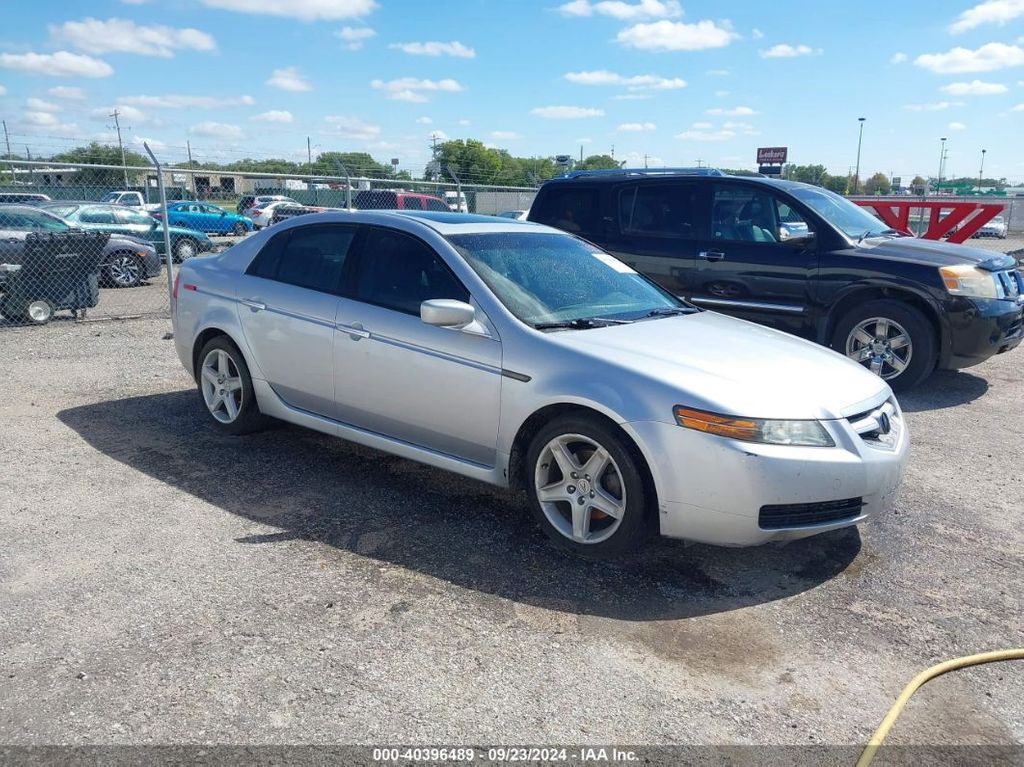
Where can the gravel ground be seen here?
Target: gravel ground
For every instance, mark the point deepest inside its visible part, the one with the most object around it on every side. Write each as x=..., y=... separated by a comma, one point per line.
x=163, y=583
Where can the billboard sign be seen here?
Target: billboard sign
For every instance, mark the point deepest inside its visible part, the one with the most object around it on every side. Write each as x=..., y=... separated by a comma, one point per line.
x=772, y=155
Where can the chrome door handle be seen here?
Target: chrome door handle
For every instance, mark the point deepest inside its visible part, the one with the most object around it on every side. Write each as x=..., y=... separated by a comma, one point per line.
x=252, y=303
x=355, y=330
x=711, y=255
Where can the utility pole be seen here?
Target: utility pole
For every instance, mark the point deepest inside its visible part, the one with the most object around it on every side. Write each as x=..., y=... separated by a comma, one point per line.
x=31, y=168
x=613, y=151
x=942, y=160
x=981, y=170
x=860, y=140
x=7, y=139
x=124, y=162
x=581, y=154
x=309, y=157
x=645, y=160
x=700, y=162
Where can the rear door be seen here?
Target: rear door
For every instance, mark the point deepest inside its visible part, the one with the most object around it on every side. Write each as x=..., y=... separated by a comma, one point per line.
x=287, y=302
x=754, y=264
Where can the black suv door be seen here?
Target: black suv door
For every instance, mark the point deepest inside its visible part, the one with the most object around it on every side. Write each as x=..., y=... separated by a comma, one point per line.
x=757, y=262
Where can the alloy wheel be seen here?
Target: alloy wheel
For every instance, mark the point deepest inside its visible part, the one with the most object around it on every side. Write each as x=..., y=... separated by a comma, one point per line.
x=124, y=271
x=580, y=488
x=881, y=345
x=185, y=250
x=222, y=386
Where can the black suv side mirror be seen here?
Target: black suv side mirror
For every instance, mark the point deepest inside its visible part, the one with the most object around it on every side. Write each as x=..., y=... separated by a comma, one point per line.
x=801, y=240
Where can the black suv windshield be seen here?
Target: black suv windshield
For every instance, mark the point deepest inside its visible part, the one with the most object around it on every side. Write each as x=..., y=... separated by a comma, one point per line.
x=851, y=219
x=556, y=279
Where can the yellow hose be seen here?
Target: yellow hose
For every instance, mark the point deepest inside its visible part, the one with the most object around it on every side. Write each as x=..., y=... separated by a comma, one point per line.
x=917, y=682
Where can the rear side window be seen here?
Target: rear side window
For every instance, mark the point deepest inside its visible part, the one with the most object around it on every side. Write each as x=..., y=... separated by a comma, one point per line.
x=96, y=216
x=310, y=257
x=399, y=272
x=659, y=209
x=432, y=204
x=571, y=209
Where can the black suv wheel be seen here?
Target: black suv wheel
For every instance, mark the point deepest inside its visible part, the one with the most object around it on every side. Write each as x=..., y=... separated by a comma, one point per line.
x=890, y=338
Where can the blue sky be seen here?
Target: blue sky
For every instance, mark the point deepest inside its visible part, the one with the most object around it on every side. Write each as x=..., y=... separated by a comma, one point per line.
x=677, y=81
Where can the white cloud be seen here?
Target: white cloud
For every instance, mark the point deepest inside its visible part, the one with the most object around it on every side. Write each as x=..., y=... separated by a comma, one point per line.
x=126, y=114
x=786, y=51
x=756, y=33
x=440, y=135
x=989, y=12
x=957, y=126
x=218, y=130
x=40, y=119
x=746, y=128
x=352, y=128
x=67, y=92
x=634, y=82
x=505, y=135
x=304, y=10
x=354, y=37
x=155, y=144
x=734, y=112
x=974, y=88
x=987, y=58
x=722, y=134
x=412, y=89
x=178, y=101
x=1018, y=108
x=274, y=116
x=898, y=58
x=424, y=121
x=566, y=113
x=38, y=105
x=59, y=64
x=703, y=126
x=676, y=36
x=3, y=91
x=623, y=11
x=124, y=36
x=454, y=48
x=721, y=94
x=938, y=106
x=288, y=79
x=637, y=127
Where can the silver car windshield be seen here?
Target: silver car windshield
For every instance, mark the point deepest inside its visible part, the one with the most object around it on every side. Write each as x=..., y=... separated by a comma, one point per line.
x=546, y=279
x=851, y=219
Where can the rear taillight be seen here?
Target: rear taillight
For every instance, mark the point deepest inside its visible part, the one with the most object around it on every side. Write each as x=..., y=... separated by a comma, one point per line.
x=254, y=212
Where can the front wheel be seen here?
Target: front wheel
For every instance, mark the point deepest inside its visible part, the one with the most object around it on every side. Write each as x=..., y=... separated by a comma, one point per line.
x=892, y=339
x=226, y=388
x=185, y=249
x=240, y=229
x=123, y=270
x=587, y=489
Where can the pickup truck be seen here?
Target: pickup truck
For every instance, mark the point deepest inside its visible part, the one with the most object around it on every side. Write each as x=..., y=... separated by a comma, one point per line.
x=131, y=199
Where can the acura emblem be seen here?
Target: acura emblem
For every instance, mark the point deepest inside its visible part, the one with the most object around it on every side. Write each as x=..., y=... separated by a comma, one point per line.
x=884, y=424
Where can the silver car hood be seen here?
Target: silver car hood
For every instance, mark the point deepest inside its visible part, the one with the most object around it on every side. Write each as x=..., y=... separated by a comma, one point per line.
x=734, y=367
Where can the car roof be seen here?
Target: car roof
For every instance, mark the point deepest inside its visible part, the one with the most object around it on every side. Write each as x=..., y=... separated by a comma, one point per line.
x=632, y=178
x=442, y=223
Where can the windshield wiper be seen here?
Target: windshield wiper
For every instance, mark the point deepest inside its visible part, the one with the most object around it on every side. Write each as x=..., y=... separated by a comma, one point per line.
x=882, y=233
x=670, y=311
x=581, y=323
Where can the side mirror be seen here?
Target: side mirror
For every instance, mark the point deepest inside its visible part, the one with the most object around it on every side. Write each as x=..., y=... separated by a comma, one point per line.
x=447, y=313
x=801, y=240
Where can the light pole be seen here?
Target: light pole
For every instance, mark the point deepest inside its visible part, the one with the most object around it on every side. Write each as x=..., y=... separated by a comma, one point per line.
x=981, y=170
x=860, y=140
x=942, y=159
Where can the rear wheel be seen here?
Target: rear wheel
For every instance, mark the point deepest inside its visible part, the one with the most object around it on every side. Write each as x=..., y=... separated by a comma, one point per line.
x=37, y=311
x=123, y=270
x=587, y=489
x=240, y=229
x=226, y=388
x=185, y=249
x=890, y=338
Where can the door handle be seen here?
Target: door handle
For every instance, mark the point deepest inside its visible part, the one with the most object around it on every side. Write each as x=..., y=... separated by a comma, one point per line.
x=255, y=305
x=711, y=255
x=355, y=330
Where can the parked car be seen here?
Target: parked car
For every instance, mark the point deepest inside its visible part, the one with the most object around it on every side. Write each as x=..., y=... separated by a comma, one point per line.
x=515, y=215
x=802, y=259
x=458, y=341
x=206, y=218
x=284, y=212
x=22, y=198
x=129, y=199
x=126, y=263
x=387, y=199
x=248, y=201
x=456, y=201
x=118, y=219
x=996, y=227
x=263, y=214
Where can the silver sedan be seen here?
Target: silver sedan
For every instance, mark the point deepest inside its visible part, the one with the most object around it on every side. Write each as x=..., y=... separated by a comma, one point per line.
x=524, y=356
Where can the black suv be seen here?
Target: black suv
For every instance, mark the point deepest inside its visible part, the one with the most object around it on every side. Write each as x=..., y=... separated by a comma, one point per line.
x=802, y=259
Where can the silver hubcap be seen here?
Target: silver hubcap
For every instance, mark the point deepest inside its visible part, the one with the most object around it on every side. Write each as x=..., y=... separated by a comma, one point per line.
x=880, y=345
x=124, y=270
x=580, y=488
x=39, y=311
x=222, y=386
x=186, y=250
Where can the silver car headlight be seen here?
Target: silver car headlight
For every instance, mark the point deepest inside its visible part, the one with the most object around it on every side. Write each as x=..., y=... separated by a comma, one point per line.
x=764, y=430
x=969, y=281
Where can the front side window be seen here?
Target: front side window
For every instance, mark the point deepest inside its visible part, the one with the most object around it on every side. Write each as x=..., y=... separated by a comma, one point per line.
x=308, y=257
x=659, y=209
x=853, y=220
x=750, y=214
x=131, y=218
x=96, y=215
x=570, y=209
x=542, y=278
x=400, y=272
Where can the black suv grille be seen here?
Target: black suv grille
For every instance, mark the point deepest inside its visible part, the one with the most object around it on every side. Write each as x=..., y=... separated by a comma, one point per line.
x=807, y=514
x=1010, y=282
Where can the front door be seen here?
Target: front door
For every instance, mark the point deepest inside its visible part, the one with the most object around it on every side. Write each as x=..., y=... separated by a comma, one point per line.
x=287, y=303
x=757, y=262
x=433, y=387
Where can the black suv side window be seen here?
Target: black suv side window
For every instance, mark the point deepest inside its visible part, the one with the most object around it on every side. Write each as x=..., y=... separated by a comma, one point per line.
x=571, y=210
x=308, y=257
x=659, y=209
x=741, y=213
x=399, y=272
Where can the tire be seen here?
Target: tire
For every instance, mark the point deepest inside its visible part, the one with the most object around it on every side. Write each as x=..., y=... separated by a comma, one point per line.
x=123, y=270
x=225, y=388
x=576, y=511
x=240, y=229
x=858, y=335
x=36, y=311
x=185, y=248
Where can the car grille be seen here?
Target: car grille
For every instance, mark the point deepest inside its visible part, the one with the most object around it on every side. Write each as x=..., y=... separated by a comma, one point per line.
x=1010, y=282
x=880, y=426
x=786, y=515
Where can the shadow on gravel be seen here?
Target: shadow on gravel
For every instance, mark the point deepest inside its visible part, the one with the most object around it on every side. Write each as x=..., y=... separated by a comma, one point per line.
x=317, y=488
x=944, y=388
